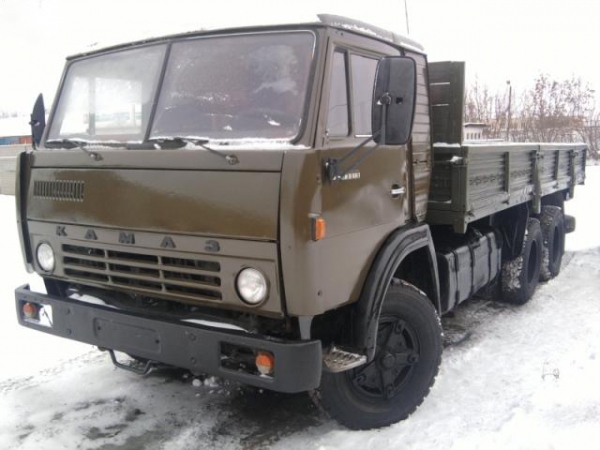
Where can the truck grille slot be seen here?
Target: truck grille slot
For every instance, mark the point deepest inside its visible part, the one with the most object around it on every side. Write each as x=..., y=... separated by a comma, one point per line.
x=202, y=265
x=133, y=257
x=67, y=190
x=211, y=281
x=83, y=250
x=86, y=275
x=184, y=278
x=84, y=263
x=135, y=270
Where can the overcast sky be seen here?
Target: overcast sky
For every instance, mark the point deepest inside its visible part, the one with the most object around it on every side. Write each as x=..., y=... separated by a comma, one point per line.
x=500, y=40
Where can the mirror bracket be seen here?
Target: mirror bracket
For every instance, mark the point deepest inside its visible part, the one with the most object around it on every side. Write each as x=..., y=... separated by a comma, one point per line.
x=385, y=99
x=394, y=98
x=332, y=166
x=33, y=123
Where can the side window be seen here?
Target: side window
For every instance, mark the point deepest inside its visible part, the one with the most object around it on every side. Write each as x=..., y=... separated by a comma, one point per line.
x=337, y=119
x=363, y=77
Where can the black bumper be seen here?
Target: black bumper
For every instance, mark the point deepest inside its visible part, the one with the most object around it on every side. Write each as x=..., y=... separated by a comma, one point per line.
x=191, y=346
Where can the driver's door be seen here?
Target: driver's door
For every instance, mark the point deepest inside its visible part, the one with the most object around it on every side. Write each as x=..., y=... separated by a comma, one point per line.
x=371, y=201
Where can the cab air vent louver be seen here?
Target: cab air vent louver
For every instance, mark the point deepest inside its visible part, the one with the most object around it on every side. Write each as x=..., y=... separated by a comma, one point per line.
x=66, y=190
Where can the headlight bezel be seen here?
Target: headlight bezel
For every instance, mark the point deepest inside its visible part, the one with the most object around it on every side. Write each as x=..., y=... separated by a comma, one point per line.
x=38, y=259
x=267, y=287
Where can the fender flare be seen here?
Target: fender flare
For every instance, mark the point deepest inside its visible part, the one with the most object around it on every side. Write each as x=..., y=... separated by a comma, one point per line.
x=398, y=246
x=22, y=171
x=512, y=224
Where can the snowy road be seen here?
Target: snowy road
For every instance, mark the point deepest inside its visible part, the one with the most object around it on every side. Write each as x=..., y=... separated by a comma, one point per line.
x=515, y=377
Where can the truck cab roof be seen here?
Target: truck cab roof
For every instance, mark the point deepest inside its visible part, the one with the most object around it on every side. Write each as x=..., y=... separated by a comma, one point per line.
x=325, y=21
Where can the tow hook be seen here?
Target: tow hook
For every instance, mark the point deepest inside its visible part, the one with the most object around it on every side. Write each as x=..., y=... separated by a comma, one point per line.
x=138, y=369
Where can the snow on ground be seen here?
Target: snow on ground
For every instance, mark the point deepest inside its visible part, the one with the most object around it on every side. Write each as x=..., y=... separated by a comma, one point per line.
x=511, y=378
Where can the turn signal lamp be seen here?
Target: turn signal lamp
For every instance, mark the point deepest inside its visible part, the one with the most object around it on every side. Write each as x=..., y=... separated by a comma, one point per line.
x=265, y=362
x=319, y=228
x=30, y=311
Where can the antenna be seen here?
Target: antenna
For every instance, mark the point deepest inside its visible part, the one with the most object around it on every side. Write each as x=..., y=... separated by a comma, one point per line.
x=406, y=14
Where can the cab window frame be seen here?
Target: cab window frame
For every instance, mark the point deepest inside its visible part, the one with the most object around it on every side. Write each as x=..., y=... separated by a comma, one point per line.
x=339, y=50
x=366, y=55
x=348, y=53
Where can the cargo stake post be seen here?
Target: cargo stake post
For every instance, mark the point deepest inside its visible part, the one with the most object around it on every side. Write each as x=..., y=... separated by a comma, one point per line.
x=291, y=207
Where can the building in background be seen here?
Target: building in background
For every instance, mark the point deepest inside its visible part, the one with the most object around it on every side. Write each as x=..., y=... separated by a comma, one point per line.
x=15, y=137
x=473, y=131
x=15, y=130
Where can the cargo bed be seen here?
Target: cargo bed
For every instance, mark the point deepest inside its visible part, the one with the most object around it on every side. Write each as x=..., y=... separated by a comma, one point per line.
x=472, y=181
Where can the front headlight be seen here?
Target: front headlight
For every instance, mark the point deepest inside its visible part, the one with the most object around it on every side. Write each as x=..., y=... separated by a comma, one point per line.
x=252, y=286
x=45, y=257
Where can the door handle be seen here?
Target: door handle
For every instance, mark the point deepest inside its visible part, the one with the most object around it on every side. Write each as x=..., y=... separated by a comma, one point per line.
x=397, y=191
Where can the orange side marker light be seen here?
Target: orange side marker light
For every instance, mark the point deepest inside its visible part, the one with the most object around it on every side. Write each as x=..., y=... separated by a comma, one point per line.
x=319, y=228
x=265, y=363
x=30, y=311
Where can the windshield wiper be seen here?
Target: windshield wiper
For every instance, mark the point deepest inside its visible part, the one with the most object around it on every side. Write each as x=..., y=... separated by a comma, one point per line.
x=77, y=143
x=181, y=141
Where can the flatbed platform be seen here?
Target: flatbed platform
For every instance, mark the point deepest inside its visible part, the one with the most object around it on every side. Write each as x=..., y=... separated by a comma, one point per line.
x=472, y=181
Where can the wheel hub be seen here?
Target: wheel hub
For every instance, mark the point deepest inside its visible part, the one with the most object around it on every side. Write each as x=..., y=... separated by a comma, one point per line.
x=397, y=353
x=388, y=361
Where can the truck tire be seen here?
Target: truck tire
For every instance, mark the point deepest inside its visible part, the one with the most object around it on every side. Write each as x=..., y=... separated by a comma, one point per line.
x=521, y=275
x=395, y=383
x=553, y=231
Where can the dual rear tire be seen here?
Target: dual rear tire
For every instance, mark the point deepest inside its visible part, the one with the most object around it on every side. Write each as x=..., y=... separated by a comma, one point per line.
x=521, y=275
x=552, y=222
x=540, y=258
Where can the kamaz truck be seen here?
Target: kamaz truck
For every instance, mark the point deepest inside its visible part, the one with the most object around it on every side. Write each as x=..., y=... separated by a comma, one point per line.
x=291, y=207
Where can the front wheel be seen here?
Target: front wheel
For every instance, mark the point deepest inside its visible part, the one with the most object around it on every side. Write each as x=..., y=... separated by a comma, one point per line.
x=407, y=359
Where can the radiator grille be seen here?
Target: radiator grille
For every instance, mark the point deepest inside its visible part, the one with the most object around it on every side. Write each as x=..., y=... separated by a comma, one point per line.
x=187, y=278
x=67, y=190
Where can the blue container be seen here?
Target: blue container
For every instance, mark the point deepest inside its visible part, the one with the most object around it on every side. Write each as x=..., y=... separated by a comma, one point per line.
x=11, y=140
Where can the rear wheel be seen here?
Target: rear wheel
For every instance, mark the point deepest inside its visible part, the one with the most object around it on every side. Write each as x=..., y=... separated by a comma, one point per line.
x=553, y=230
x=521, y=275
x=394, y=384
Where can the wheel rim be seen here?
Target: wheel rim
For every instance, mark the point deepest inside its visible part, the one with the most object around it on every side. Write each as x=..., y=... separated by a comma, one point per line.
x=396, y=357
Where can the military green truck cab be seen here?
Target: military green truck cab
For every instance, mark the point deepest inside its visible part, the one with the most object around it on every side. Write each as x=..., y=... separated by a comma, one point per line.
x=267, y=205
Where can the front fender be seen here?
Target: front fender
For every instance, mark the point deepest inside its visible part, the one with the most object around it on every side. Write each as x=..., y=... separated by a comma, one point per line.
x=398, y=246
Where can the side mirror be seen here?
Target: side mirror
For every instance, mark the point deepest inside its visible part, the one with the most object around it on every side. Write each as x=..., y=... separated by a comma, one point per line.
x=38, y=121
x=394, y=94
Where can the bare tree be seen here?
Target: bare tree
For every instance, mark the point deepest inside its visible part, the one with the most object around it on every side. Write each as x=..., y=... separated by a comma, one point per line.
x=554, y=110
x=589, y=131
x=550, y=111
x=483, y=106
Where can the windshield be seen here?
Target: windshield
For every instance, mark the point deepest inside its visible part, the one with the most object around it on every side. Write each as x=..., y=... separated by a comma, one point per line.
x=240, y=86
x=245, y=86
x=108, y=97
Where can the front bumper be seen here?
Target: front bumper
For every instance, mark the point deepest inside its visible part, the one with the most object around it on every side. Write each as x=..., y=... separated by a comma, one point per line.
x=191, y=346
